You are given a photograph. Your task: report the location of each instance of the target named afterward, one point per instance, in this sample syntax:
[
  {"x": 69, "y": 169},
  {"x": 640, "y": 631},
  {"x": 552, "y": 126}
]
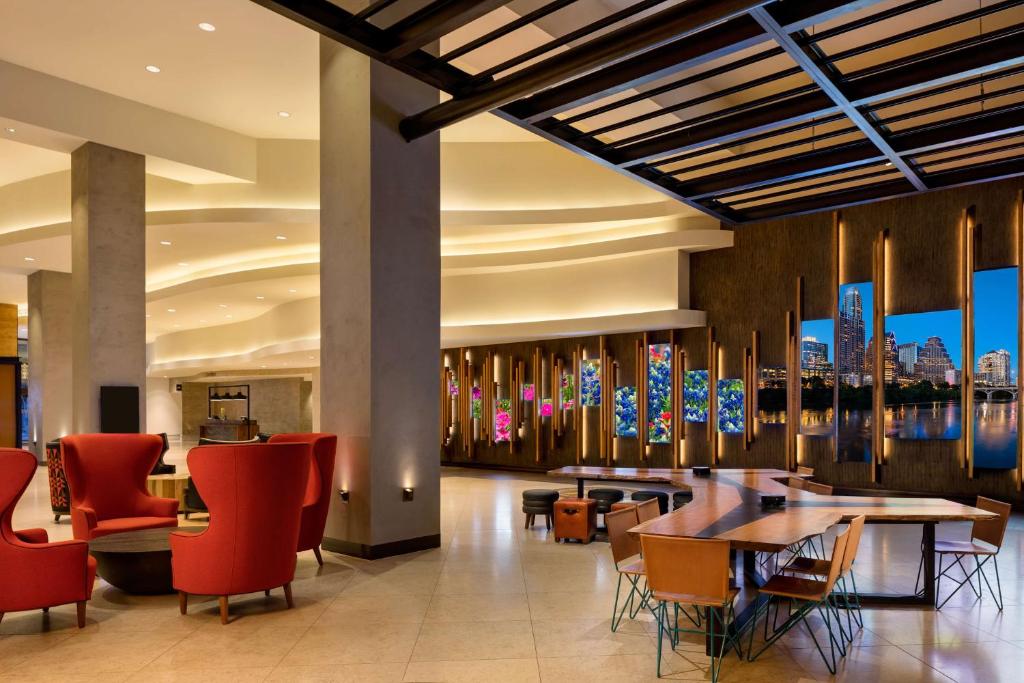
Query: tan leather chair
[
  {"x": 648, "y": 510},
  {"x": 626, "y": 554},
  {"x": 986, "y": 541}
]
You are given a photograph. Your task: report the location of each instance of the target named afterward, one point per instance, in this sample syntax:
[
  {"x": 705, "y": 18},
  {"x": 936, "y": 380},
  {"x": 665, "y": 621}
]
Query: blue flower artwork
[
  {"x": 695, "y": 395},
  {"x": 625, "y": 411},
  {"x": 730, "y": 406},
  {"x": 659, "y": 393},
  {"x": 590, "y": 382}
]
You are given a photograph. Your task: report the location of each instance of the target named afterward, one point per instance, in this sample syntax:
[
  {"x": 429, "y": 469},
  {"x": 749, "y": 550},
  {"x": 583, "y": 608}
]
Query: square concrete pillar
[
  {"x": 49, "y": 357},
  {"x": 108, "y": 277},
  {"x": 380, "y": 275}
]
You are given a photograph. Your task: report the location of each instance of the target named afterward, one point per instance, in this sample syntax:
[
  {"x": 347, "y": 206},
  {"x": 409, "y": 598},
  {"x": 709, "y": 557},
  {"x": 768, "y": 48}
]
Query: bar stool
[
  {"x": 539, "y": 502},
  {"x": 605, "y": 498},
  {"x": 681, "y": 498},
  {"x": 660, "y": 496}
]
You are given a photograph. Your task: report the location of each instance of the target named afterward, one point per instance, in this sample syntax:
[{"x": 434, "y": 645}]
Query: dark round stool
[
  {"x": 605, "y": 498},
  {"x": 681, "y": 498},
  {"x": 539, "y": 502},
  {"x": 640, "y": 496}
]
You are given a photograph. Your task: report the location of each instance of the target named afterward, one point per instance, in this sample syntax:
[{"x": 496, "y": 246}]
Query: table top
[
  {"x": 141, "y": 541},
  {"x": 727, "y": 505},
  {"x": 176, "y": 476}
]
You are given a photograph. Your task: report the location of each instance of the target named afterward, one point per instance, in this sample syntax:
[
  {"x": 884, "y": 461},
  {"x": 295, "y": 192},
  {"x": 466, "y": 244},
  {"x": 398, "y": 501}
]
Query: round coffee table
[{"x": 137, "y": 562}]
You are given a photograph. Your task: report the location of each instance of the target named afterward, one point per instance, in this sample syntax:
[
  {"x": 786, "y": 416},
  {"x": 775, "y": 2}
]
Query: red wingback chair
[
  {"x": 35, "y": 574},
  {"x": 318, "y": 488},
  {"x": 254, "y": 494},
  {"x": 107, "y": 479}
]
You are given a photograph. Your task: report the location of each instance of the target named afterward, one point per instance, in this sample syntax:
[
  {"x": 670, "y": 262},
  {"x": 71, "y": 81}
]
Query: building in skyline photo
[
  {"x": 814, "y": 360},
  {"x": 850, "y": 359},
  {"x": 933, "y": 361},
  {"x": 994, "y": 368}
]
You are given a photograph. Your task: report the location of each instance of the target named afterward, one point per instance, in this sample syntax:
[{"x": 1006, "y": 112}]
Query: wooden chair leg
[
  {"x": 319, "y": 557},
  {"x": 267, "y": 592},
  {"x": 81, "y": 613},
  {"x": 223, "y": 609},
  {"x": 288, "y": 595},
  {"x": 1, "y": 616},
  {"x": 46, "y": 610},
  {"x": 183, "y": 602}
]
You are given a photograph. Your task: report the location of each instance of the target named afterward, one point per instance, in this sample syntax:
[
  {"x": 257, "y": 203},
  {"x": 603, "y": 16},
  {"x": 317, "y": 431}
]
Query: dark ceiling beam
[
  {"x": 981, "y": 173},
  {"x": 712, "y": 43},
  {"x": 829, "y": 200},
  {"x": 809, "y": 62},
  {"x": 435, "y": 20},
  {"x": 504, "y": 30},
  {"x": 641, "y": 35},
  {"x": 960, "y": 60},
  {"x": 331, "y": 21}
]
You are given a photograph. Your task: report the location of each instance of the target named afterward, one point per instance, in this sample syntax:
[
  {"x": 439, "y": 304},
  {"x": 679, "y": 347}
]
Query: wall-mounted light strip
[
  {"x": 538, "y": 401},
  {"x": 678, "y": 430},
  {"x": 713, "y": 395},
  {"x": 878, "y": 357},
  {"x": 967, "y": 263},
  {"x": 577, "y": 405},
  {"x": 837, "y": 269},
  {"x": 792, "y": 388},
  {"x": 1020, "y": 337}
]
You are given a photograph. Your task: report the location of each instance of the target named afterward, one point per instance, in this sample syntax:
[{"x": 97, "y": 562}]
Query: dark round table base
[{"x": 137, "y": 573}]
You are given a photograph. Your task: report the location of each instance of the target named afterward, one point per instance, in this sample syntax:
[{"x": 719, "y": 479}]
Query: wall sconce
[
  {"x": 344, "y": 495},
  {"x": 407, "y": 493}
]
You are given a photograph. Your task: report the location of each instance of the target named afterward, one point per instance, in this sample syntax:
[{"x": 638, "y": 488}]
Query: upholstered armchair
[
  {"x": 107, "y": 479},
  {"x": 35, "y": 574},
  {"x": 254, "y": 494},
  {"x": 318, "y": 487}
]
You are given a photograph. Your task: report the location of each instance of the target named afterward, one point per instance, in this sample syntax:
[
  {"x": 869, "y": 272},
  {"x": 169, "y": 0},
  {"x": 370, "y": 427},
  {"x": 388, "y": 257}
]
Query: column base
[{"x": 376, "y": 552}]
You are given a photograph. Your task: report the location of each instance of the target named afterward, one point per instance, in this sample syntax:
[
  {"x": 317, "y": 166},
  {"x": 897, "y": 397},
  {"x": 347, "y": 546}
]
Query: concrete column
[
  {"x": 108, "y": 277},
  {"x": 49, "y": 357},
  {"x": 315, "y": 399},
  {"x": 380, "y": 273}
]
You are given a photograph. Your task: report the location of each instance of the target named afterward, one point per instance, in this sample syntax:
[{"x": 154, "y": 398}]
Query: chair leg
[
  {"x": 80, "y": 608},
  {"x": 223, "y": 609},
  {"x": 46, "y": 610},
  {"x": 183, "y": 602},
  {"x": 547, "y": 521},
  {"x": 267, "y": 592},
  {"x": 319, "y": 557},
  {"x": 288, "y": 595}
]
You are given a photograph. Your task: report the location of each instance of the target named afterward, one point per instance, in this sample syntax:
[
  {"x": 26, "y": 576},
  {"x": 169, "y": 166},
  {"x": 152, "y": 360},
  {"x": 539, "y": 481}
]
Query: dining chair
[
  {"x": 692, "y": 572},
  {"x": 816, "y": 551},
  {"x": 990, "y": 533},
  {"x": 807, "y": 471},
  {"x": 648, "y": 510},
  {"x": 820, "y": 489},
  {"x": 807, "y": 595},
  {"x": 628, "y": 564}
]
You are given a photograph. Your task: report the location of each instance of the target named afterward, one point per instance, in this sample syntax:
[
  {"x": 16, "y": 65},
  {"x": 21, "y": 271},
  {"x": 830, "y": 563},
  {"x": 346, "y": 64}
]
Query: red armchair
[
  {"x": 318, "y": 488},
  {"x": 254, "y": 494},
  {"x": 107, "y": 479},
  {"x": 35, "y": 574}
]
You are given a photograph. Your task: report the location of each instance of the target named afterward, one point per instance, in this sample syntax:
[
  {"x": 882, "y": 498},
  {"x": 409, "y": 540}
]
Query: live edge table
[{"x": 727, "y": 505}]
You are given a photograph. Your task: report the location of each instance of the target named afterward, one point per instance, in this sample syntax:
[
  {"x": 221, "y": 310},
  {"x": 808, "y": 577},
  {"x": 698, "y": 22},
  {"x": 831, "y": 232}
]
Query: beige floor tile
[
  {"x": 16, "y": 649},
  {"x": 251, "y": 642},
  {"x": 357, "y": 608},
  {"x": 883, "y": 663},
  {"x": 459, "y": 582},
  {"x": 479, "y": 607},
  {"x": 382, "y": 672},
  {"x": 243, "y": 675},
  {"x": 504, "y": 670},
  {"x": 913, "y": 626},
  {"x": 588, "y": 637},
  {"x": 459, "y": 641},
  {"x": 972, "y": 662},
  {"x": 97, "y": 653},
  {"x": 353, "y": 643}
]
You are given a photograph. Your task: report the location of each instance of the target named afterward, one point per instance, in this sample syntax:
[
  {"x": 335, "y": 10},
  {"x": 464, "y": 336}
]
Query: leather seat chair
[
  {"x": 681, "y": 498},
  {"x": 36, "y": 574},
  {"x": 161, "y": 467},
  {"x": 319, "y": 487},
  {"x": 107, "y": 479},
  {"x": 605, "y": 498},
  {"x": 539, "y": 502},
  {"x": 254, "y": 493},
  {"x": 661, "y": 496}
]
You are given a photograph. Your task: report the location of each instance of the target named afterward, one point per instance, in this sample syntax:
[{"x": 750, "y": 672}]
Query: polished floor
[{"x": 495, "y": 603}]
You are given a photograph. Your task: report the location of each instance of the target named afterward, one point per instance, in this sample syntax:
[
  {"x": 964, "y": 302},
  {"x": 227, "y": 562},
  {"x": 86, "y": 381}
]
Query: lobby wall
[{"x": 279, "y": 405}]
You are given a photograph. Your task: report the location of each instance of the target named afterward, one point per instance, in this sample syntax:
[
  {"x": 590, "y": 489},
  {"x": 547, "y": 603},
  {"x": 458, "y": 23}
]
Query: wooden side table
[{"x": 168, "y": 486}]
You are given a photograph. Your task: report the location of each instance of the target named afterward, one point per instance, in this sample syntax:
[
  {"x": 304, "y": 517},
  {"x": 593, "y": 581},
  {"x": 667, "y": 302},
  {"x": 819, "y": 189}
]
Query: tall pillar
[
  {"x": 49, "y": 357},
  {"x": 108, "y": 277},
  {"x": 380, "y": 274},
  {"x": 314, "y": 399}
]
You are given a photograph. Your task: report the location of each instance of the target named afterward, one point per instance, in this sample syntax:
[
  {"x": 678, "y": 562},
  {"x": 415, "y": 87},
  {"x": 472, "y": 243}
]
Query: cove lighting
[
  {"x": 284, "y": 114},
  {"x": 152, "y": 69},
  {"x": 207, "y": 26}
]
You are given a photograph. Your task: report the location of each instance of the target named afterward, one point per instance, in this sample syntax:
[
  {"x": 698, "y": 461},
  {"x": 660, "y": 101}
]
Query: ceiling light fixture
[
  {"x": 165, "y": 243},
  {"x": 284, "y": 114},
  {"x": 183, "y": 264},
  {"x": 222, "y": 305},
  {"x": 10, "y": 130},
  {"x": 207, "y": 26},
  {"x": 202, "y": 321},
  {"x": 29, "y": 258},
  {"x": 260, "y": 298},
  {"x": 172, "y": 310},
  {"x": 148, "y": 315},
  {"x": 280, "y": 237},
  {"x": 152, "y": 69},
  {"x": 228, "y": 316},
  {"x": 292, "y": 291},
  {"x": 176, "y": 325}
]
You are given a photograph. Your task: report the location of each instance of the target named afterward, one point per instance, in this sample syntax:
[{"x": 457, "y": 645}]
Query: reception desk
[{"x": 229, "y": 430}]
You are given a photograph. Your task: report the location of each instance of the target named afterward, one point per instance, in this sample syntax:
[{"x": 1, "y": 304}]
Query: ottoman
[
  {"x": 539, "y": 502},
  {"x": 575, "y": 518},
  {"x": 681, "y": 498},
  {"x": 605, "y": 498},
  {"x": 640, "y": 496}
]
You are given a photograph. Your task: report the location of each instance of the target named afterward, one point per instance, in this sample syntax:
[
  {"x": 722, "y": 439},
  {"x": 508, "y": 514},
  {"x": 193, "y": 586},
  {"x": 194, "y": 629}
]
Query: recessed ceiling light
[
  {"x": 182, "y": 263},
  {"x": 172, "y": 310},
  {"x": 222, "y": 305},
  {"x": 165, "y": 243},
  {"x": 152, "y": 69},
  {"x": 10, "y": 130},
  {"x": 263, "y": 366},
  {"x": 260, "y": 298},
  {"x": 292, "y": 291},
  {"x": 280, "y": 237},
  {"x": 175, "y": 325},
  {"x": 202, "y": 321},
  {"x": 207, "y": 26},
  {"x": 284, "y": 114},
  {"x": 29, "y": 258},
  {"x": 228, "y": 316},
  {"x": 888, "y": 163},
  {"x": 148, "y": 315},
  {"x": 312, "y": 357}
]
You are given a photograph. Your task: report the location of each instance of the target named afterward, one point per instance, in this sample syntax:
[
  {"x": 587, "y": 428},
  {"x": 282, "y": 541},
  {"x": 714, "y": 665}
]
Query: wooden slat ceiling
[{"x": 746, "y": 110}]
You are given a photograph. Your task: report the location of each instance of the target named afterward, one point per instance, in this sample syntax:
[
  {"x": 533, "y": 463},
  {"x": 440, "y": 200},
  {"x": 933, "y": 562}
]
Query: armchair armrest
[
  {"x": 34, "y": 536},
  {"x": 158, "y": 507}
]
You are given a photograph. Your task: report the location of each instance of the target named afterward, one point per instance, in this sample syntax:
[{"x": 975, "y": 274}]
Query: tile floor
[{"x": 495, "y": 603}]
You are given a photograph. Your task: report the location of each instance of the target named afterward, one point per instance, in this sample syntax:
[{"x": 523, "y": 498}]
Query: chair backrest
[
  {"x": 991, "y": 531},
  {"x": 856, "y": 530},
  {"x": 687, "y": 566},
  {"x": 254, "y": 494},
  {"x": 321, "y": 472},
  {"x": 16, "y": 470},
  {"x": 808, "y": 471},
  {"x": 648, "y": 510},
  {"x": 836, "y": 566},
  {"x": 107, "y": 472},
  {"x": 797, "y": 483},
  {"x": 820, "y": 489},
  {"x": 618, "y": 523}
]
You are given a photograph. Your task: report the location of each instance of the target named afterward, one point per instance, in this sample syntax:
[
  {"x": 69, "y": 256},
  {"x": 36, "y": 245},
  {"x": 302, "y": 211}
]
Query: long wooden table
[{"x": 727, "y": 505}]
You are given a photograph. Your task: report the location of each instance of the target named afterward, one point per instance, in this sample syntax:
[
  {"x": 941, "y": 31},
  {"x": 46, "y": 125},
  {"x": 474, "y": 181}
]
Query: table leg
[
  {"x": 926, "y": 597},
  {"x": 579, "y": 488}
]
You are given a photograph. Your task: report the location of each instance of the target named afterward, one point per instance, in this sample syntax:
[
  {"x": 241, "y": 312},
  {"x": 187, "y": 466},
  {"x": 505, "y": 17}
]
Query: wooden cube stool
[{"x": 575, "y": 518}]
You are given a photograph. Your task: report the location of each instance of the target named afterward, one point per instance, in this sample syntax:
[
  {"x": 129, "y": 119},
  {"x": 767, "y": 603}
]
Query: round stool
[
  {"x": 662, "y": 497},
  {"x": 681, "y": 498},
  {"x": 539, "y": 502},
  {"x": 605, "y": 498}
]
